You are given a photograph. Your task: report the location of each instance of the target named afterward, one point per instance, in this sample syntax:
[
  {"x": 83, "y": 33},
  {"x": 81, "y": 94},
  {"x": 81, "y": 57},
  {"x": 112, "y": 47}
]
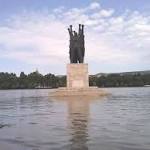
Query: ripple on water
[{"x": 30, "y": 120}]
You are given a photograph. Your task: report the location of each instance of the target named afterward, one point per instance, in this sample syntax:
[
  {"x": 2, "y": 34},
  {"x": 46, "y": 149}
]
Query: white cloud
[
  {"x": 42, "y": 38},
  {"x": 103, "y": 13},
  {"x": 94, "y": 5}
]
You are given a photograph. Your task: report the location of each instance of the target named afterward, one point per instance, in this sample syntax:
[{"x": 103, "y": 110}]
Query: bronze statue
[{"x": 76, "y": 46}]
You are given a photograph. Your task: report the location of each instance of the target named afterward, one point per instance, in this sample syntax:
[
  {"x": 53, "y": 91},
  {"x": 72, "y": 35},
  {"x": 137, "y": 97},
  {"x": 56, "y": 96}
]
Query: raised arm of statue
[
  {"x": 82, "y": 29},
  {"x": 71, "y": 28},
  {"x": 70, "y": 31}
]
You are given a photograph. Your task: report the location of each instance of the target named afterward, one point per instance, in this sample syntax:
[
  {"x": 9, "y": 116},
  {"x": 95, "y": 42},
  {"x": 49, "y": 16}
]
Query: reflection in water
[
  {"x": 78, "y": 116},
  {"x": 30, "y": 120},
  {"x": 78, "y": 110}
]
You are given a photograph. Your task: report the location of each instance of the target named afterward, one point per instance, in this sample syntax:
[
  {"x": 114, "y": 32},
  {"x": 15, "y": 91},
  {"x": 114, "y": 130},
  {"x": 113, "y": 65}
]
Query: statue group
[{"x": 76, "y": 46}]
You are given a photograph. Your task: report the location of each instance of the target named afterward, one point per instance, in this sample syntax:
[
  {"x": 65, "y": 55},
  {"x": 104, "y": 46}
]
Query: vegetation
[
  {"x": 30, "y": 81},
  {"x": 117, "y": 80},
  {"x": 37, "y": 80}
]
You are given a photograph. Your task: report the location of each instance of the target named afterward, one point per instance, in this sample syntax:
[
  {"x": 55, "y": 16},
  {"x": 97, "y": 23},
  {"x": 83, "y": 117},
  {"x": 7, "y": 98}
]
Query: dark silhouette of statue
[{"x": 76, "y": 46}]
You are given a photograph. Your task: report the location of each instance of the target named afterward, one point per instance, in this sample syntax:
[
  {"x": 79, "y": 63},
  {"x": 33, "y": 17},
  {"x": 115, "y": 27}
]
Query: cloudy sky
[{"x": 33, "y": 34}]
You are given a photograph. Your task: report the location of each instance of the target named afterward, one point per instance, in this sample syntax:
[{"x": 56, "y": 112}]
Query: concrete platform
[
  {"x": 78, "y": 83},
  {"x": 90, "y": 91}
]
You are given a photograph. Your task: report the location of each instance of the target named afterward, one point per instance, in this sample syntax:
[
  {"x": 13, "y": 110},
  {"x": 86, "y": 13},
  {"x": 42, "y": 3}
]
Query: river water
[{"x": 31, "y": 120}]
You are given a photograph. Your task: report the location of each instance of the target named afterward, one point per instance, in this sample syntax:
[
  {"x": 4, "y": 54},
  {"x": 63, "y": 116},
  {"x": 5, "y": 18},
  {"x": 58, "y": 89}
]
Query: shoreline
[{"x": 60, "y": 87}]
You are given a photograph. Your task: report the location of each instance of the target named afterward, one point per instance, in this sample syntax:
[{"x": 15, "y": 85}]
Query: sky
[{"x": 34, "y": 36}]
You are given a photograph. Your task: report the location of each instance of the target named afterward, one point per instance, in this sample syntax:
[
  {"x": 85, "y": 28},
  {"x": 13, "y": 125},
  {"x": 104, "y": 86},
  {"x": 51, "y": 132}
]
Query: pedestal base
[
  {"x": 78, "y": 83},
  {"x": 91, "y": 91},
  {"x": 77, "y": 76}
]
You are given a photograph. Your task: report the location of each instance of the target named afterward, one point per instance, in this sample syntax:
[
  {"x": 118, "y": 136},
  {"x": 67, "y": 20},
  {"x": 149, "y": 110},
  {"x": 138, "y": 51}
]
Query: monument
[
  {"x": 77, "y": 70},
  {"x": 76, "y": 46}
]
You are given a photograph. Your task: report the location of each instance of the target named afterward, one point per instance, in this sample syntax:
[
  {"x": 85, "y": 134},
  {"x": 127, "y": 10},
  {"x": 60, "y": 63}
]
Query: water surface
[{"x": 31, "y": 120}]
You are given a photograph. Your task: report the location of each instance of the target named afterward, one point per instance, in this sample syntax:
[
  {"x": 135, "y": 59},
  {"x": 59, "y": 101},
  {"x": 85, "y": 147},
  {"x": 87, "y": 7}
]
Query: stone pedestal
[
  {"x": 78, "y": 83},
  {"x": 77, "y": 76}
]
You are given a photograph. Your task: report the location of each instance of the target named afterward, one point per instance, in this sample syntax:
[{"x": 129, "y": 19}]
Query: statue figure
[{"x": 76, "y": 46}]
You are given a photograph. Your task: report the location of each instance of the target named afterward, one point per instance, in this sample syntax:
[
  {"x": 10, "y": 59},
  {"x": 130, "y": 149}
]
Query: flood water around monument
[{"x": 31, "y": 120}]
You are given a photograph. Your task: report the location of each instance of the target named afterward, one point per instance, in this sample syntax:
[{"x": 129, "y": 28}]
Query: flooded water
[{"x": 31, "y": 120}]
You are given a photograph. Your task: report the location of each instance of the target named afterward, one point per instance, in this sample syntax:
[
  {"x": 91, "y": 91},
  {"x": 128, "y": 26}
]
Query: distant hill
[{"x": 124, "y": 73}]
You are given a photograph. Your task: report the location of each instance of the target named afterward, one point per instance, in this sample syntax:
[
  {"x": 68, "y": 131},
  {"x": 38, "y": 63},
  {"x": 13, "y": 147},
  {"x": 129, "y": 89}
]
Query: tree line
[
  {"x": 37, "y": 80},
  {"x": 117, "y": 80},
  {"x": 30, "y": 81}
]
